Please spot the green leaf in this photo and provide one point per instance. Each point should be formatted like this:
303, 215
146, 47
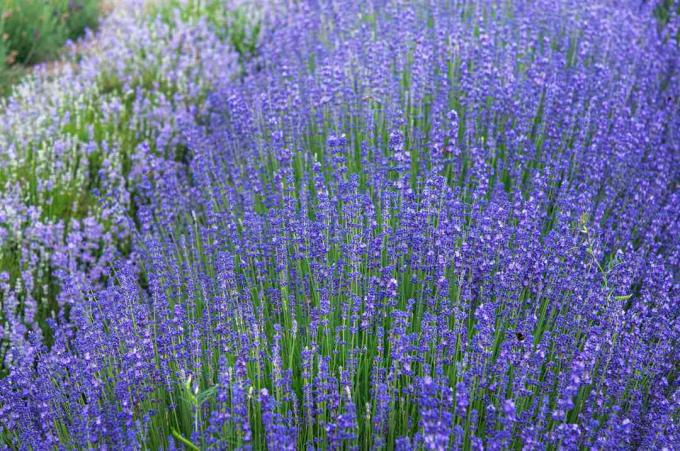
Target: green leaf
184, 440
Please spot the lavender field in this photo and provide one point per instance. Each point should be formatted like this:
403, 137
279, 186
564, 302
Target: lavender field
340, 225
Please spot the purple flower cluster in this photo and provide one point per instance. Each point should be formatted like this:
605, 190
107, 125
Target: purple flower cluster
410, 225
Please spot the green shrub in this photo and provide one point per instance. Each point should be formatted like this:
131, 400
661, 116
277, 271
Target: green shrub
82, 14
32, 31
8, 77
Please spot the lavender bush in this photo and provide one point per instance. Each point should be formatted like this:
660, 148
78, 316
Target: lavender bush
75, 147
407, 225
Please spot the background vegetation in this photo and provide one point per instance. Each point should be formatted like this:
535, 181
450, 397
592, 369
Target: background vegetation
32, 31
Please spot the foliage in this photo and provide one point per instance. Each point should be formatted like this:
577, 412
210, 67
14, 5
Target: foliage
32, 31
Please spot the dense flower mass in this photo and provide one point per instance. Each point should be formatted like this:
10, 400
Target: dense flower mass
426, 224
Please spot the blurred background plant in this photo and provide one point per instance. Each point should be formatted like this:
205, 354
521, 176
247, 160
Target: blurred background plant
32, 31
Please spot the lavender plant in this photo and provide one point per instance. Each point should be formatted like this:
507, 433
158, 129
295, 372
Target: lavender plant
76, 145
411, 225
